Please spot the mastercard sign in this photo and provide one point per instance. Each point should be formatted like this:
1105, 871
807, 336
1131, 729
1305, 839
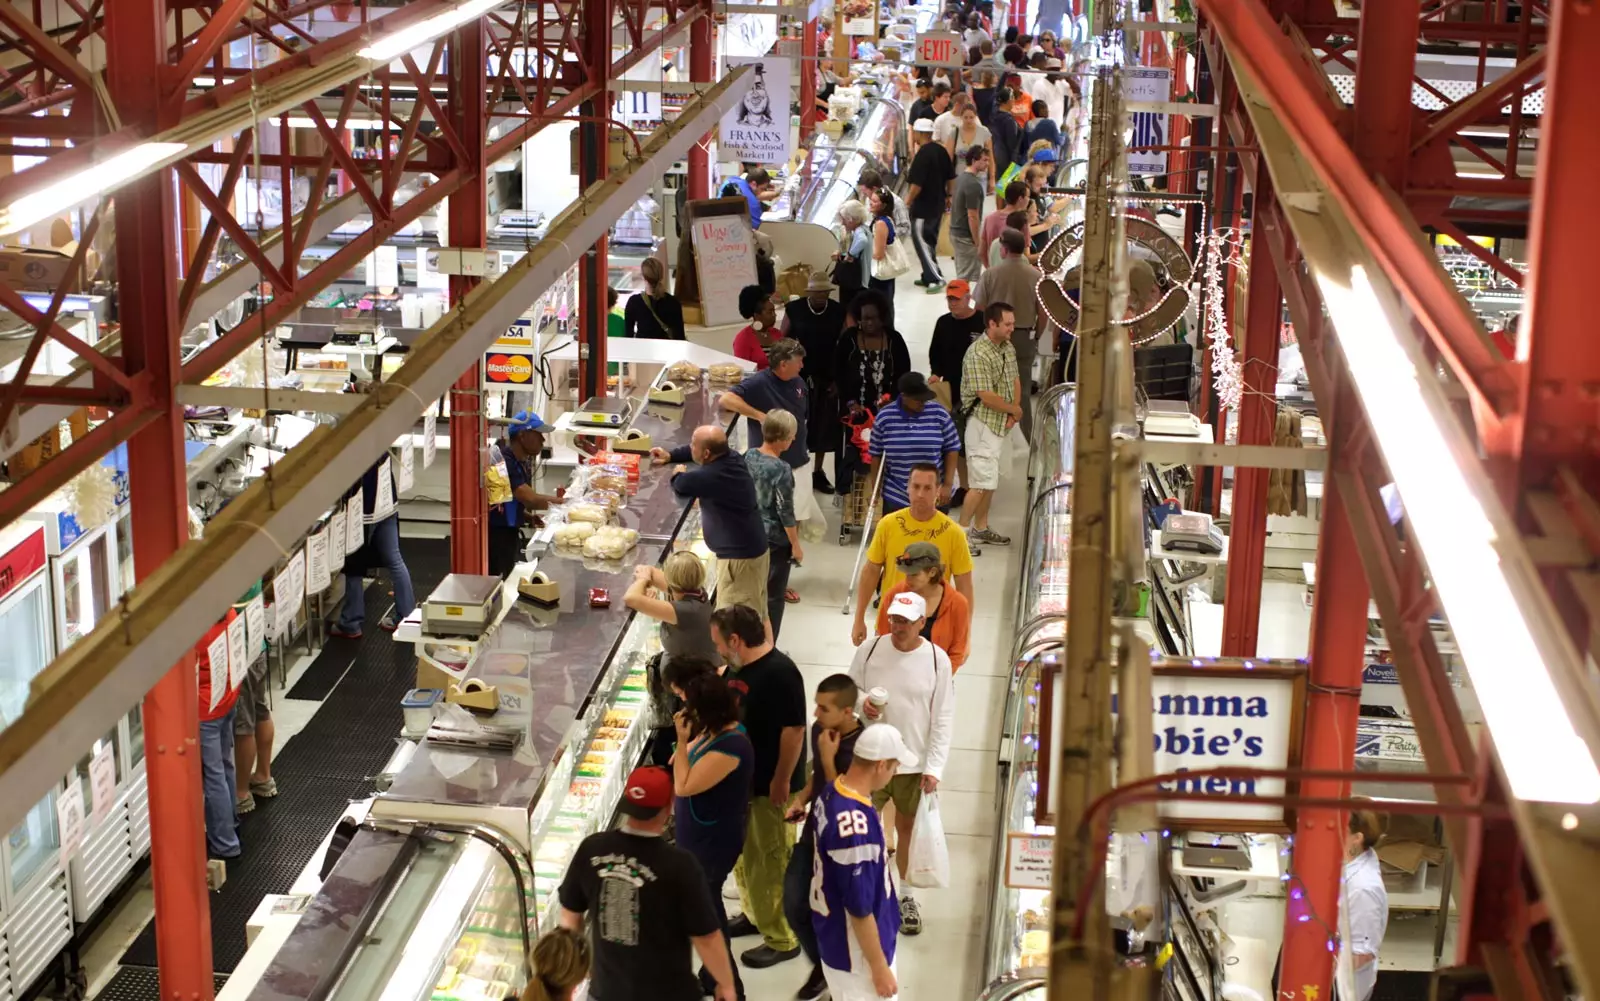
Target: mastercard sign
508, 368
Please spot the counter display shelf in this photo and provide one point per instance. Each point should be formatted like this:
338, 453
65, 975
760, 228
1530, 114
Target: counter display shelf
454, 872
874, 139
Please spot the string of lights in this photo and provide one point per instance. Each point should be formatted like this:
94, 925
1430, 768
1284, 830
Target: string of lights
1226, 372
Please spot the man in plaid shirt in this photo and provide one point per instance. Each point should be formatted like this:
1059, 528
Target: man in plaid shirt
990, 391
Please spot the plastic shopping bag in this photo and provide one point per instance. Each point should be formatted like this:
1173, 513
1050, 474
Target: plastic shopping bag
929, 862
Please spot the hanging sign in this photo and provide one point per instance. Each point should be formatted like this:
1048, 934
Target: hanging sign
385, 500
238, 651
255, 618
103, 781
288, 592
217, 668
725, 259
317, 578
353, 527
69, 820
408, 465
337, 532
430, 439
1206, 715
1150, 128
940, 48
757, 129
860, 17
1030, 861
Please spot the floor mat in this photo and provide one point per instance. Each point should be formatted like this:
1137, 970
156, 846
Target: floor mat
140, 983
324, 673
319, 770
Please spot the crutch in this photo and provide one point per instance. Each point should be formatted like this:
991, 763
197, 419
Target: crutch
866, 535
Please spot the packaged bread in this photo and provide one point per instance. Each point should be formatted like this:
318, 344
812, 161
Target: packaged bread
616, 484
683, 371
725, 372
605, 547
593, 513
629, 536
609, 499
573, 533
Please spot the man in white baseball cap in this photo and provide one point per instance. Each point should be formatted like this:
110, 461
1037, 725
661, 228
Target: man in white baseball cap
916, 674
857, 918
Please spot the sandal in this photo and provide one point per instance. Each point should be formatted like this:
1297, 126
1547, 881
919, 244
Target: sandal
791, 596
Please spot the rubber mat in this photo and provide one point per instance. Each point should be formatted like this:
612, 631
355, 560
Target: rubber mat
335, 658
1403, 985
319, 771
139, 983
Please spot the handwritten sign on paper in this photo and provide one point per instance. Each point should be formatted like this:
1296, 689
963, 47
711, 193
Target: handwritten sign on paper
352, 524
217, 668
103, 780
385, 499
255, 617
337, 531
69, 820
430, 440
725, 255
317, 579
239, 657
408, 465
1030, 859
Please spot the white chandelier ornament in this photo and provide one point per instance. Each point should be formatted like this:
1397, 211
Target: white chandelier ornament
1226, 372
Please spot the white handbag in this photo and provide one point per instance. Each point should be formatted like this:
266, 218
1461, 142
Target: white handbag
896, 262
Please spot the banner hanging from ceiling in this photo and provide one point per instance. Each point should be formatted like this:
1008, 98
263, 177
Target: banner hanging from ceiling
757, 130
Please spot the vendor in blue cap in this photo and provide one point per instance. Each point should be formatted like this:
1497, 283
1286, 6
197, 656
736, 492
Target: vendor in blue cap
509, 484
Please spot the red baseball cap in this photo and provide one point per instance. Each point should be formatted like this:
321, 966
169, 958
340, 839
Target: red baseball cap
648, 792
957, 288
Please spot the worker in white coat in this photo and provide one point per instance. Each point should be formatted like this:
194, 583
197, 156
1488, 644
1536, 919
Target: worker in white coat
1363, 907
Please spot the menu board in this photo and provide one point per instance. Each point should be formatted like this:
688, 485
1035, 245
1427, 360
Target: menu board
724, 255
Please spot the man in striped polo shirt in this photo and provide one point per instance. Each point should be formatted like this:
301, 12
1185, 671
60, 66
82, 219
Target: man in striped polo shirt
914, 429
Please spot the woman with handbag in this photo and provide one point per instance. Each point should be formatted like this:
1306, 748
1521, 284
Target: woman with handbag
889, 260
854, 259
867, 367
655, 312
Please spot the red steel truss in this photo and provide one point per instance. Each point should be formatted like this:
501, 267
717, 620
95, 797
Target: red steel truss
1390, 166
507, 74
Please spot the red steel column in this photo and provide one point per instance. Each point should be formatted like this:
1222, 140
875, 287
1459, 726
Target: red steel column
702, 57
1387, 47
159, 494
468, 229
808, 79
1247, 540
593, 276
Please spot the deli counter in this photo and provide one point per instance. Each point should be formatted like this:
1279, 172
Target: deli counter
443, 887
875, 137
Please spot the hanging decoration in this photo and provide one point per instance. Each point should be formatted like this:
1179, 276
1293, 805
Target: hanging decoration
1158, 309
91, 496
1226, 372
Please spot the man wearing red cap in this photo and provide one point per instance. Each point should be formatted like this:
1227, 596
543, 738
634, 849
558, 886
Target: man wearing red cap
650, 903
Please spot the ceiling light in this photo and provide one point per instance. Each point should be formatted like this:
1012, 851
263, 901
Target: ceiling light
393, 46
1543, 756
298, 122
85, 184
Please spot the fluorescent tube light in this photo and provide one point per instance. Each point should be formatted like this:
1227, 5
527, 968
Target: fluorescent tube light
84, 185
1544, 758
299, 122
393, 46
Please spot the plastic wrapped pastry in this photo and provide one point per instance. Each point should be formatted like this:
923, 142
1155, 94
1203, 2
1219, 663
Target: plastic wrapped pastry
683, 371
629, 536
606, 498
605, 546
616, 484
573, 533
725, 372
592, 513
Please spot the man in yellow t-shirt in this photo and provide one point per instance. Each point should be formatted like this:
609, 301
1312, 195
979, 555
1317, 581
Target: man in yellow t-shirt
920, 522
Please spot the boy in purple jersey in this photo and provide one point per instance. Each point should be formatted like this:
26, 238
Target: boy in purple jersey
853, 906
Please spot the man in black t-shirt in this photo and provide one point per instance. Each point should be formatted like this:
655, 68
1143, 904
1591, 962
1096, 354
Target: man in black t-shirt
928, 181
833, 747
773, 699
931, 102
953, 334
650, 903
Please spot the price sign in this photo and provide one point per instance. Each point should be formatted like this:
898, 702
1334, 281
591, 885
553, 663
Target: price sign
255, 617
103, 780
217, 668
352, 524
69, 820
430, 439
336, 531
1030, 859
940, 48
238, 651
317, 579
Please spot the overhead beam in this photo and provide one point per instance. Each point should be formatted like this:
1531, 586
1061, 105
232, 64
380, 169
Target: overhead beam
1247, 456
86, 690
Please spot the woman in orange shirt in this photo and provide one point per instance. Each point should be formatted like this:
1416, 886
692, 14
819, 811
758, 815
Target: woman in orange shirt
949, 621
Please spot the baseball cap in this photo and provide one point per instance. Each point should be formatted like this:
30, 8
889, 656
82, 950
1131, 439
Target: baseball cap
882, 742
914, 386
923, 125
528, 420
1052, 64
648, 792
958, 288
908, 605
1045, 156
919, 556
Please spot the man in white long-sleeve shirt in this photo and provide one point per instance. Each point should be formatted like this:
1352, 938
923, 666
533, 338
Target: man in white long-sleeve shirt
916, 674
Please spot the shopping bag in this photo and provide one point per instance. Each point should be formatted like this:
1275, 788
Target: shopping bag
929, 862
896, 262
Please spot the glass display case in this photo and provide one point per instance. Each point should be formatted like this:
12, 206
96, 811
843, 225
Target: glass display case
875, 139
33, 844
25, 621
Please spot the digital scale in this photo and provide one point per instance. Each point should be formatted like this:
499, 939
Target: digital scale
462, 605
1191, 532
601, 412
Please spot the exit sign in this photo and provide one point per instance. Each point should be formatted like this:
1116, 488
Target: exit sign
940, 48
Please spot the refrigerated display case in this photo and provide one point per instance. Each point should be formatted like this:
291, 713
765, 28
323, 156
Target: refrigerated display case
875, 139
25, 618
454, 870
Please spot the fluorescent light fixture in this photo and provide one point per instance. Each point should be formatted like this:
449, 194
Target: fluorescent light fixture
1544, 758
393, 46
84, 185
297, 122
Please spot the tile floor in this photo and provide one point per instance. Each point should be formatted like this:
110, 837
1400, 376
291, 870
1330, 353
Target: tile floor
944, 962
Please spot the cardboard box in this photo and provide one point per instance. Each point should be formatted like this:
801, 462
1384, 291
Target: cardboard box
39, 270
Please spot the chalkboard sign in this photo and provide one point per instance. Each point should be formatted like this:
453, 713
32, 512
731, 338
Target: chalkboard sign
724, 254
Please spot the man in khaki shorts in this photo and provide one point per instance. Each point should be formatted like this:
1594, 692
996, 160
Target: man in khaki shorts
990, 395
729, 514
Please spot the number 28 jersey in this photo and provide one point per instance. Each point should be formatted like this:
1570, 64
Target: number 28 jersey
850, 875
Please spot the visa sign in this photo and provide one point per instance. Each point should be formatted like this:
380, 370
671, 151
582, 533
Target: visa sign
940, 48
